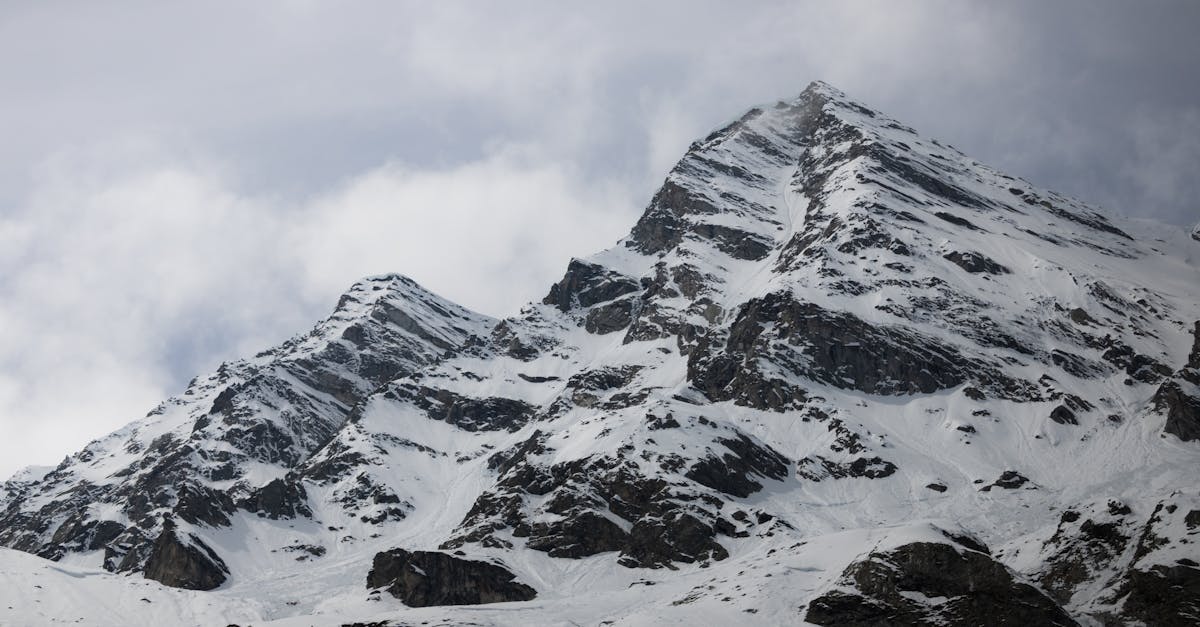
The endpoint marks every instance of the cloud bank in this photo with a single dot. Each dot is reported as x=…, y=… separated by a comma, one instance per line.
x=181, y=185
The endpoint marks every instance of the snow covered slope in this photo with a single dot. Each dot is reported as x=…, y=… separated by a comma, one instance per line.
x=835, y=371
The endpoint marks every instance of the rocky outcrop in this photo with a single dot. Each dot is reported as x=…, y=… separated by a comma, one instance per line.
x=184, y=563
x=732, y=471
x=281, y=498
x=836, y=348
x=975, y=263
x=467, y=413
x=425, y=578
x=1179, y=397
x=586, y=284
x=1163, y=595
x=925, y=583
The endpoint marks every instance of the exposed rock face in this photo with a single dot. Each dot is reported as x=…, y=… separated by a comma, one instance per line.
x=835, y=348
x=975, y=263
x=668, y=523
x=1179, y=397
x=184, y=564
x=924, y=583
x=281, y=498
x=1133, y=556
x=587, y=284
x=425, y=578
x=469, y=414
x=1163, y=595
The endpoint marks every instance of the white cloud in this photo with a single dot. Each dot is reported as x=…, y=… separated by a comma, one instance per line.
x=131, y=280
x=210, y=177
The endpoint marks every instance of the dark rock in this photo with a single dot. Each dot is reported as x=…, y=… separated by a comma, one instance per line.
x=1163, y=595
x=179, y=564
x=734, y=242
x=676, y=537
x=426, y=578
x=586, y=284
x=281, y=498
x=579, y=535
x=837, y=348
x=1080, y=316
x=202, y=505
x=957, y=221
x=731, y=472
x=873, y=468
x=1139, y=367
x=536, y=379
x=1063, y=416
x=936, y=487
x=469, y=414
x=1179, y=397
x=818, y=468
x=1009, y=480
x=977, y=590
x=610, y=318
x=975, y=263
x=656, y=423
x=662, y=226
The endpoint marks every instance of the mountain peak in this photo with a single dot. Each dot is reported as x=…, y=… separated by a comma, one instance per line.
x=824, y=328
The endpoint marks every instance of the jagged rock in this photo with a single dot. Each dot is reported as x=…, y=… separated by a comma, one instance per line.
x=580, y=534
x=925, y=583
x=609, y=318
x=281, y=498
x=869, y=468
x=975, y=263
x=587, y=284
x=1163, y=595
x=835, y=348
x=1139, y=367
x=469, y=414
x=676, y=537
x=1009, y=480
x=425, y=578
x=731, y=472
x=734, y=242
x=957, y=221
x=1063, y=416
x=189, y=563
x=1179, y=397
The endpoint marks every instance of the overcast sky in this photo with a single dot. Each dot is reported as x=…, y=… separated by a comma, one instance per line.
x=186, y=183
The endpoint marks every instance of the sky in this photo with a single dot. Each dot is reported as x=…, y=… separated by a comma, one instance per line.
x=186, y=183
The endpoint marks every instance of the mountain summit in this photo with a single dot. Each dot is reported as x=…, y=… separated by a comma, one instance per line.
x=837, y=373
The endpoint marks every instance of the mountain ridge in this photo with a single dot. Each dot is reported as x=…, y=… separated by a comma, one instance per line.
x=824, y=329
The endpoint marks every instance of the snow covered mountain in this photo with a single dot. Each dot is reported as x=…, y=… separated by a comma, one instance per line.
x=836, y=373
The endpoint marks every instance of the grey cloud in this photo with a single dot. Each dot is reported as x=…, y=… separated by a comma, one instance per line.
x=185, y=184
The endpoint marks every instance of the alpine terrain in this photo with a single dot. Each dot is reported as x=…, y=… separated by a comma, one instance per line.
x=836, y=374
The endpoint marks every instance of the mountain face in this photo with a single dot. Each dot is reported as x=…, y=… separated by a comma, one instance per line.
x=837, y=373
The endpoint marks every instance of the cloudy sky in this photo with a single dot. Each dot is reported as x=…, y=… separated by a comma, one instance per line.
x=185, y=183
